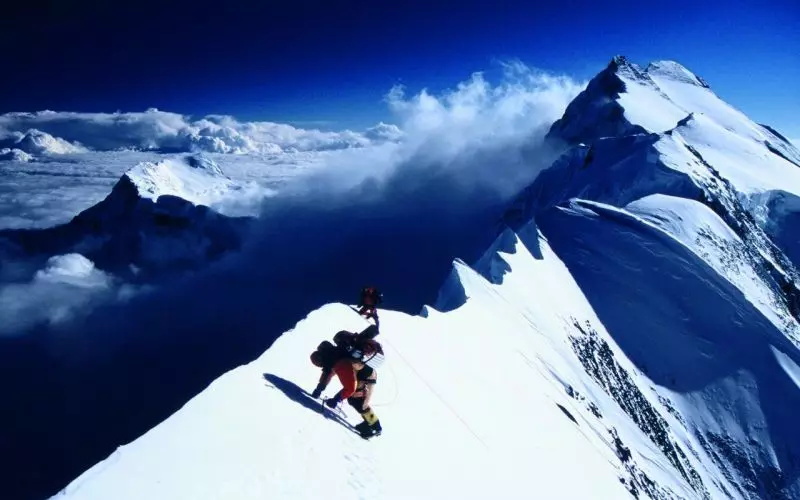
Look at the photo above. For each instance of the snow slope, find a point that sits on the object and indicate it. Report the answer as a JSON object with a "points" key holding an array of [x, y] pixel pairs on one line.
{"points": [[487, 400], [683, 215], [686, 323]]}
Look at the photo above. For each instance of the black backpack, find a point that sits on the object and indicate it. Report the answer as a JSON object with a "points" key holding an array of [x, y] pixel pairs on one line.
{"points": [[326, 355], [361, 345]]}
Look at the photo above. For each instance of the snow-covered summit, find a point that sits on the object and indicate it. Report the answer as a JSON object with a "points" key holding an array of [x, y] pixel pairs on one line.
{"points": [[625, 99], [196, 179]]}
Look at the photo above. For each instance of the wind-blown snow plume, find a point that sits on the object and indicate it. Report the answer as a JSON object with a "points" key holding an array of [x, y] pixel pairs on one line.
{"points": [[477, 132]]}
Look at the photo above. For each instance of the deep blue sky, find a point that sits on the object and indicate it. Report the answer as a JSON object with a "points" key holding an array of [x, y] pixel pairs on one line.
{"points": [[307, 61]]}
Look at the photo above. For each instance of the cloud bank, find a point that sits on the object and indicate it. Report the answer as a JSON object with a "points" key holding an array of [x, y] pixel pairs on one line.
{"points": [[155, 130], [474, 111]]}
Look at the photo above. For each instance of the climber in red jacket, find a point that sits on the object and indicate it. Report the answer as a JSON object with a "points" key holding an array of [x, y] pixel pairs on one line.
{"points": [[358, 381], [350, 361]]}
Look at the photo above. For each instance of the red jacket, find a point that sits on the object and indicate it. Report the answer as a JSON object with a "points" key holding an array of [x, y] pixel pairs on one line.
{"points": [[355, 381]]}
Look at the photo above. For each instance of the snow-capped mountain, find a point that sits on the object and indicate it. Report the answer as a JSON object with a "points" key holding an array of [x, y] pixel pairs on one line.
{"points": [[158, 219], [631, 332], [667, 227]]}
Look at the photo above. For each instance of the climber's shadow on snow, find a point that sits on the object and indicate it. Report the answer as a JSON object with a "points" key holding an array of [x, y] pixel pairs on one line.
{"points": [[301, 397]]}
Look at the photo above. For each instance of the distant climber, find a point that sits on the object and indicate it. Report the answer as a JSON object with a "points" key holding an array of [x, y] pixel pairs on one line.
{"points": [[368, 303], [354, 359]]}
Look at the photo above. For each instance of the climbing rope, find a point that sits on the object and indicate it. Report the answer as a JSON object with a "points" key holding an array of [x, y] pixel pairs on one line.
{"points": [[435, 393], [396, 389]]}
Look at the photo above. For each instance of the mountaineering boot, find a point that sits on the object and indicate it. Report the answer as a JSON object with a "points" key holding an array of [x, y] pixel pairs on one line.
{"points": [[334, 401], [371, 426], [370, 430]]}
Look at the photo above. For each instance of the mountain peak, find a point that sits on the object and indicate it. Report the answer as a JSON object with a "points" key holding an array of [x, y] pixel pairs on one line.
{"points": [[620, 61], [626, 99], [621, 66], [597, 111], [196, 179]]}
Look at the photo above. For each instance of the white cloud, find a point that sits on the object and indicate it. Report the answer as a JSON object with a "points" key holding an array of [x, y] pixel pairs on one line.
{"points": [[483, 132], [14, 154], [66, 286], [474, 113], [384, 132], [171, 132]]}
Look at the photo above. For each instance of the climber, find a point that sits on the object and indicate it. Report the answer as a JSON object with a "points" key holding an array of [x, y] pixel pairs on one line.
{"points": [[354, 360], [361, 347], [368, 304], [358, 381], [349, 344]]}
